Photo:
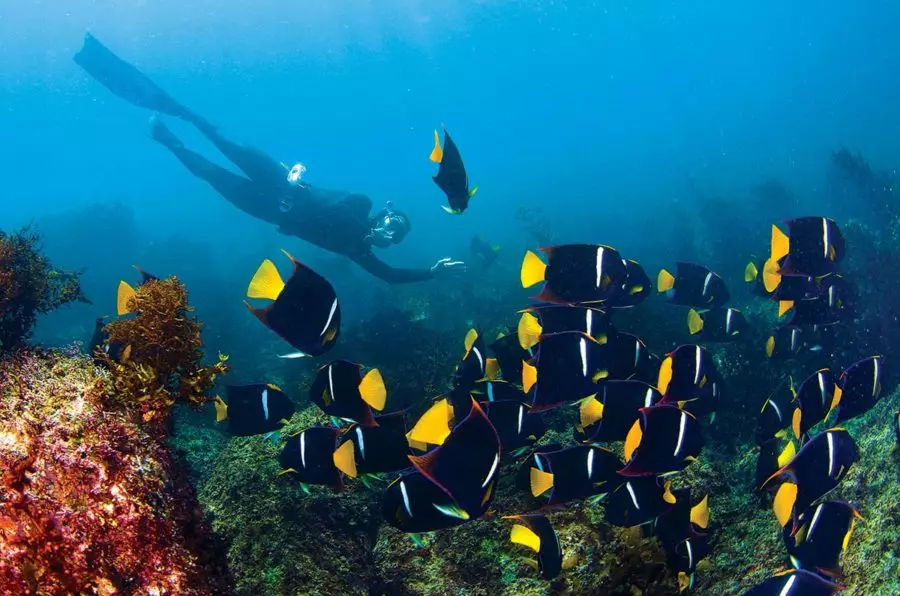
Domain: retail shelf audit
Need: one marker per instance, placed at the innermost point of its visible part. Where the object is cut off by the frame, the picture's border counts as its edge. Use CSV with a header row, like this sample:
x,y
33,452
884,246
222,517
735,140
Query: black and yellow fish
x,y
565,369
688,377
572,473
466,465
721,324
536,532
341,390
575,273
784,343
692,285
554,318
474,364
817,468
305,312
313,456
451,177
509,356
414,504
812,246
254,409
635,288
664,439
638,500
776,412
610,414
859,388
774,454
814,401
822,536
795,582
382,447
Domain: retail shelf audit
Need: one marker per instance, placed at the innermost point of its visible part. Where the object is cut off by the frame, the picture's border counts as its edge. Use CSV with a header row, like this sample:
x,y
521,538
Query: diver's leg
x,y
246,195
254,162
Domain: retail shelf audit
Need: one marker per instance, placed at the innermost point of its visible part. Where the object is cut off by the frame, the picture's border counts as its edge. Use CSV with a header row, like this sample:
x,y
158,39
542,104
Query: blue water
x,y
611,116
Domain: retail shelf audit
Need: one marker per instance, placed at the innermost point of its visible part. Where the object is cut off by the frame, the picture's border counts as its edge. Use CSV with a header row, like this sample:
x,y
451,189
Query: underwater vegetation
x,y
29,286
92,499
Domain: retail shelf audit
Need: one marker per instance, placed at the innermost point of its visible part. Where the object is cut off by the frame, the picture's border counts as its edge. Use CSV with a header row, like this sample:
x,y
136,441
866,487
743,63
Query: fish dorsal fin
x,y
123,297
541,482
471,337
665,375
784,502
372,391
526,537
529,331
780,245
266,282
344,458
221,409
700,513
529,376
771,275
695,322
433,427
784,306
437,154
750,272
633,439
533,270
787,454
591,411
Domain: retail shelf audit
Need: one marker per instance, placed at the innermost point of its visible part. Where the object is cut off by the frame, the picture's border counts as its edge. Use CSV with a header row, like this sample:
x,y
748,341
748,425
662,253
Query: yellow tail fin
x,y
266,283
433,427
784,306
787,454
590,411
784,502
771,275
491,369
770,346
529,331
750,272
664,281
665,375
700,513
344,458
796,419
633,439
437,154
529,377
533,270
541,482
781,244
372,390
471,336
695,323
526,537
123,297
221,409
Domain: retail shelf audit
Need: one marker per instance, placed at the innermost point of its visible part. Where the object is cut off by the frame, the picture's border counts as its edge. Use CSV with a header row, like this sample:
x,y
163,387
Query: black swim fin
x,y
125,80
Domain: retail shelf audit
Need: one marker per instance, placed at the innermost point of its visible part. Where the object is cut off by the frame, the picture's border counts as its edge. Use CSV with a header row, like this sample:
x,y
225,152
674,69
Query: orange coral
x,y
161,355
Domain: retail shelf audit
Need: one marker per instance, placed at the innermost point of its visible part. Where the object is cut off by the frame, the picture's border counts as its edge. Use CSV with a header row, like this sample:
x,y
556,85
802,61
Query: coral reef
x,y
89,502
29,286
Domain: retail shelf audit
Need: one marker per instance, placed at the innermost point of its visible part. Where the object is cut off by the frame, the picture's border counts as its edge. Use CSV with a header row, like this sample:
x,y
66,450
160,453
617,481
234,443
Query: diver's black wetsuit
x,y
334,220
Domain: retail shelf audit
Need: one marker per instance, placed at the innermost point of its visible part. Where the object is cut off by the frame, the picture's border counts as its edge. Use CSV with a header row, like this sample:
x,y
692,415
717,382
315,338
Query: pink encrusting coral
x,y
89,502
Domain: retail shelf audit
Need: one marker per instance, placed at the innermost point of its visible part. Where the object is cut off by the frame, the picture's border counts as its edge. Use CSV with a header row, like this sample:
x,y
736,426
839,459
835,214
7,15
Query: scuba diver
x,y
337,221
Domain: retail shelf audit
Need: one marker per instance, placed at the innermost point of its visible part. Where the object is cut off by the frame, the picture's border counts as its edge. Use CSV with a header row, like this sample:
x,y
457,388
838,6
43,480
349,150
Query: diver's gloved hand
x,y
448,266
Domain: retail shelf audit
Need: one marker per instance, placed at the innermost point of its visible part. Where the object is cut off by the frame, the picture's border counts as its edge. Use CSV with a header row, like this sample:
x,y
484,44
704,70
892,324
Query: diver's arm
x,y
393,275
